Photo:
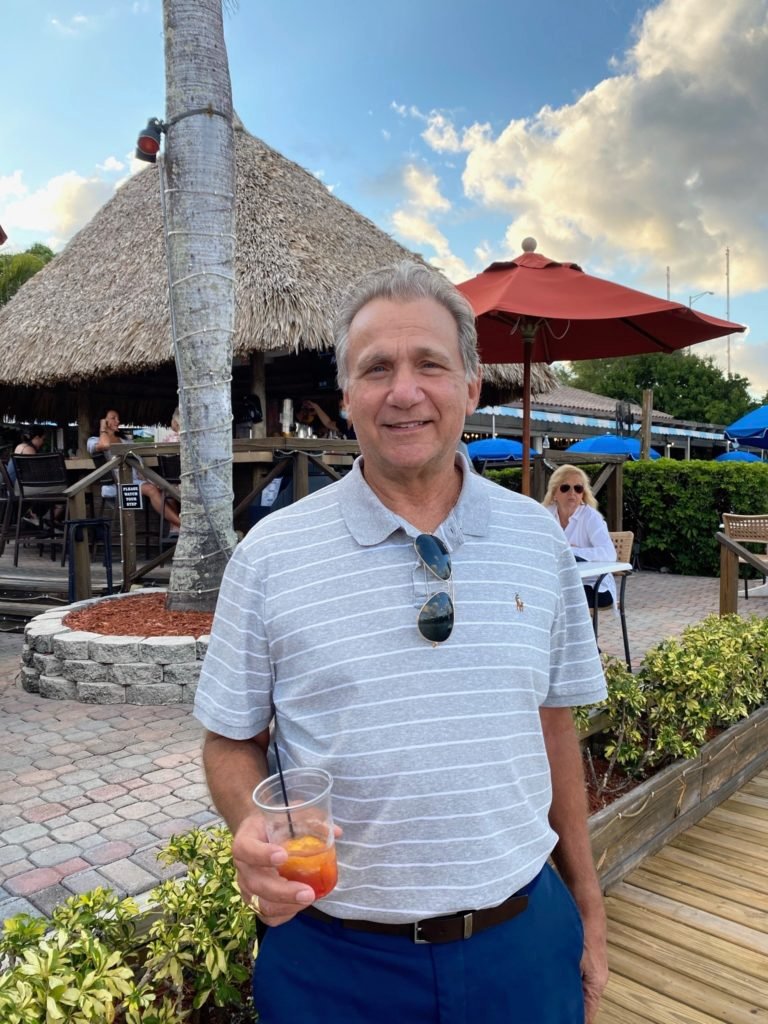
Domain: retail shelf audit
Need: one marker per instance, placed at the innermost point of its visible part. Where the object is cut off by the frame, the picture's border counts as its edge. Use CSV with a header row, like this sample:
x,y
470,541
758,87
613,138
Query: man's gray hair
x,y
405,282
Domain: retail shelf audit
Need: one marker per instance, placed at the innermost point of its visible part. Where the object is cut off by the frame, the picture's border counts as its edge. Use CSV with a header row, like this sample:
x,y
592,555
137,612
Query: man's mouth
x,y
410,425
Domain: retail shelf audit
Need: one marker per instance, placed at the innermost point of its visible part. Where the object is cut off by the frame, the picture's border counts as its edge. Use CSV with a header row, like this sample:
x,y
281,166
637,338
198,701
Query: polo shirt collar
x,y
371,522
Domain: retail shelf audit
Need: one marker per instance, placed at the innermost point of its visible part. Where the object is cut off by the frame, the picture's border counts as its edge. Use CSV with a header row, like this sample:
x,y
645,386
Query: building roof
x,y
100,309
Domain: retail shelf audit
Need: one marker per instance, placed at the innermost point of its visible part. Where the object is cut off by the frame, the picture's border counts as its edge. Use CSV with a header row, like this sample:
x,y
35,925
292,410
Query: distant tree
x,y
16,268
44,252
685,385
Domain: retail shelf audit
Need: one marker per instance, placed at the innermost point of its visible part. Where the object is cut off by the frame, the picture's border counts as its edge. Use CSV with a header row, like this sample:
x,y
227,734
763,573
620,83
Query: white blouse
x,y
588,536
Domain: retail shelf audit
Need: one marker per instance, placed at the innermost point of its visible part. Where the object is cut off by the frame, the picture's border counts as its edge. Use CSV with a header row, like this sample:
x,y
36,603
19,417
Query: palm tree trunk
x,y
198,193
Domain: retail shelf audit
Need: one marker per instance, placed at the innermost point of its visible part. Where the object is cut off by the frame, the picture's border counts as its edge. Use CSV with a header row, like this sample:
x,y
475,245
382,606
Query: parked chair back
x,y
622,542
169,467
41,480
8,502
748,530
39,474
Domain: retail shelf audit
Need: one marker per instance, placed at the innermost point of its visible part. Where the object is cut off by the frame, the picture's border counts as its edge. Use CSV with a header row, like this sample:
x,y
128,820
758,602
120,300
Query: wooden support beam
x,y
729,581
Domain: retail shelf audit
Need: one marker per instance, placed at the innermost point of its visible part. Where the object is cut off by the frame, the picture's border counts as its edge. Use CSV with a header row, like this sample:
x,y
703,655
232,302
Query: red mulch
x,y
139,615
618,786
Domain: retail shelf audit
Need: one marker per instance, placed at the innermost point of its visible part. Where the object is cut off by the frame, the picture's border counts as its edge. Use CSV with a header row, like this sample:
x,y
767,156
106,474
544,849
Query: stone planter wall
x,y
65,664
641,822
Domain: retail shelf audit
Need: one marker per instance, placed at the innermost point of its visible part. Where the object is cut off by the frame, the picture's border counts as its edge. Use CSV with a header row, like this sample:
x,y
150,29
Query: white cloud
x,y
412,220
749,358
423,189
58,209
111,164
417,229
11,186
441,135
386,135
399,108
661,164
76,24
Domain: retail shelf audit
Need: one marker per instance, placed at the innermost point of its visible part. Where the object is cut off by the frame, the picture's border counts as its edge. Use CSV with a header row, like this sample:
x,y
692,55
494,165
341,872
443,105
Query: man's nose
x,y
405,389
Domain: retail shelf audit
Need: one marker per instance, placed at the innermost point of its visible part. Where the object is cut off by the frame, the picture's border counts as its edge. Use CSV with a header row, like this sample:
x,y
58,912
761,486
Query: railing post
x,y
300,475
81,555
729,581
615,489
127,528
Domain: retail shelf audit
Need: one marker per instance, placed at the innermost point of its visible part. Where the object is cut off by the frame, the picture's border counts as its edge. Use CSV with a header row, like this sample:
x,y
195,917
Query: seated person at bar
x,y
109,434
572,503
311,414
32,440
174,434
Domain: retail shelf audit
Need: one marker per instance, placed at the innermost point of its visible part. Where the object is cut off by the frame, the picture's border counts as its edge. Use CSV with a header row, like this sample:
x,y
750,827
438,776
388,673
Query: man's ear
x,y
473,392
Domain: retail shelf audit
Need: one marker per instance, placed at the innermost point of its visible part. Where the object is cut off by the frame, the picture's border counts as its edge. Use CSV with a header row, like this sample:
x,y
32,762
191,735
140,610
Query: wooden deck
x,y
38,582
688,929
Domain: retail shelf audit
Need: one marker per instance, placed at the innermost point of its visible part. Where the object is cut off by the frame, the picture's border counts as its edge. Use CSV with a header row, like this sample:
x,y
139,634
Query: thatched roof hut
x,y
98,314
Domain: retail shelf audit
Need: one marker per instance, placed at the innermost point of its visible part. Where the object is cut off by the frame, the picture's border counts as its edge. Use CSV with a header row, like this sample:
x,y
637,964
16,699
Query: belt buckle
x,y
467,919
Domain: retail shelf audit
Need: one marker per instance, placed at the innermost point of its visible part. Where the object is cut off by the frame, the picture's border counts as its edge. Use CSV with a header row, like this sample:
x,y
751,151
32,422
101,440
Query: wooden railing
x,y
730,553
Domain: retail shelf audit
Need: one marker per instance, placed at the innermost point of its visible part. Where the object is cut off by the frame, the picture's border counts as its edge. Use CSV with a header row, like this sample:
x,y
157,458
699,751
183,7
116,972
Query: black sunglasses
x,y
564,488
435,619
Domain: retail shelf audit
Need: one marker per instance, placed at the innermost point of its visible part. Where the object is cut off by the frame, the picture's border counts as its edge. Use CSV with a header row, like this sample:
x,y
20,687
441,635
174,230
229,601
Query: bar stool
x,y
102,530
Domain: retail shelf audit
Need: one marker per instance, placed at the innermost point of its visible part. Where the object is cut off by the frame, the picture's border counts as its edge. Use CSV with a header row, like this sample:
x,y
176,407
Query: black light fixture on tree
x,y
148,142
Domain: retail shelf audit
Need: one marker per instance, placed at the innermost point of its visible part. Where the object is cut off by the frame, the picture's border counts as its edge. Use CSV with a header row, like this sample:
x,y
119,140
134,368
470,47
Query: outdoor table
x,y
588,570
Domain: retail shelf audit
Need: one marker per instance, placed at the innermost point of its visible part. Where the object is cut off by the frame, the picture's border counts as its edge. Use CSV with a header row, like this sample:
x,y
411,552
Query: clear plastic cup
x,y
296,807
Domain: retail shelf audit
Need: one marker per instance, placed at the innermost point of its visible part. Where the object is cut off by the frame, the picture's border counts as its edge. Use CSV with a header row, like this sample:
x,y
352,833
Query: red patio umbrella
x,y
533,309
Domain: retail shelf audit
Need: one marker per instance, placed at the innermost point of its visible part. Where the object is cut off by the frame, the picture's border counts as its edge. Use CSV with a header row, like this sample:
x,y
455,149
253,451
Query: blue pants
x,y
525,971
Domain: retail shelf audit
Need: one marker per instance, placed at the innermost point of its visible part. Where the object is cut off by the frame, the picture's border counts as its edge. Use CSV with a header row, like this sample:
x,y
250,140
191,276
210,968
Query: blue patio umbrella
x,y
738,456
500,449
751,430
610,444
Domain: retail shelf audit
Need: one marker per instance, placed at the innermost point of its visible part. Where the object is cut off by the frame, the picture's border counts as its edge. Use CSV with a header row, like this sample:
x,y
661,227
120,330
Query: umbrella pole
x,y
528,331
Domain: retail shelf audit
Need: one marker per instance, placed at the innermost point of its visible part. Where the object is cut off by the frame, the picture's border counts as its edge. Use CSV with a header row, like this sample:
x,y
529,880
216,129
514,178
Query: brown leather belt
x,y
450,928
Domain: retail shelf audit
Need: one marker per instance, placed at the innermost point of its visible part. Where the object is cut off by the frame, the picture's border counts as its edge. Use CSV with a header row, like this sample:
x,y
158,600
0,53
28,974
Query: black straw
x,y
282,783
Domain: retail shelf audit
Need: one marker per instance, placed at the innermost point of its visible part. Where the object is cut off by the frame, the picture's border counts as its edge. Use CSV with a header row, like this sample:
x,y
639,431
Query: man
x,y
433,679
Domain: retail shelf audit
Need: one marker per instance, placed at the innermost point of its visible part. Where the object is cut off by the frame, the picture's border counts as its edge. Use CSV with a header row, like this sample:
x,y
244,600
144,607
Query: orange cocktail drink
x,y
296,807
310,860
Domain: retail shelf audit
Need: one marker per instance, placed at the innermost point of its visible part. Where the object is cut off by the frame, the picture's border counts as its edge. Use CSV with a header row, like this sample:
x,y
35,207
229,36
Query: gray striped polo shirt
x,y
441,781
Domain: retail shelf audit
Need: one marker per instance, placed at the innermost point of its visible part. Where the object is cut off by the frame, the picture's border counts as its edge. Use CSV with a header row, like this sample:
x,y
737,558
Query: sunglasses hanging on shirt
x,y
435,621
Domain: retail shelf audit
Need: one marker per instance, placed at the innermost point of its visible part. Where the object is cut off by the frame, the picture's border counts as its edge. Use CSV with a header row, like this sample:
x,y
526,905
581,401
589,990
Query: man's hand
x,y
594,967
257,861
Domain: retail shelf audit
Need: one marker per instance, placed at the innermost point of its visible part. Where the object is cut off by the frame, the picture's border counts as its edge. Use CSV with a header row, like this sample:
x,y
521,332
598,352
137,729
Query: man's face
x,y
407,393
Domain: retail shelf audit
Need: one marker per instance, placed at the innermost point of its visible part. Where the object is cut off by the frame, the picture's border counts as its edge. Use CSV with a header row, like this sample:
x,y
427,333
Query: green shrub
x,y
714,674
89,963
675,508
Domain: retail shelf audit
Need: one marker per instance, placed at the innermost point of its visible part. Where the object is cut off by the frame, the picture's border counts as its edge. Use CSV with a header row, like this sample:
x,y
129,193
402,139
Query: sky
x,y
629,137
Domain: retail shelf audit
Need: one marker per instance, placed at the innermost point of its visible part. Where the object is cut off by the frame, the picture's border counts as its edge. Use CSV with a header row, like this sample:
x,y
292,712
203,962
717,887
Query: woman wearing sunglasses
x,y
572,503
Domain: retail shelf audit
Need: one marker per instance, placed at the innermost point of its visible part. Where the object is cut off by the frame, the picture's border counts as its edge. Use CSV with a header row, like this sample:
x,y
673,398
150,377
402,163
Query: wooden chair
x,y
41,480
748,530
623,541
169,468
9,501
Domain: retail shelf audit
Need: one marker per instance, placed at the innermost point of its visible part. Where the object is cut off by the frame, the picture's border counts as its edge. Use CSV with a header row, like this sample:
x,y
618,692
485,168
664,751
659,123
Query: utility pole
x,y
728,304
